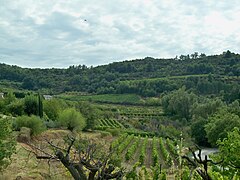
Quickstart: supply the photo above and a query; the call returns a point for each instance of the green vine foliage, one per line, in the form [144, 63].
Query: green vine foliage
[7, 143]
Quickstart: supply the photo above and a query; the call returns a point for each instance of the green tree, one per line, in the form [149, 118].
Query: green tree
[91, 114]
[234, 107]
[52, 108]
[10, 97]
[179, 103]
[16, 108]
[229, 152]
[220, 124]
[40, 106]
[72, 119]
[31, 105]
[206, 108]
[198, 132]
[7, 143]
[28, 83]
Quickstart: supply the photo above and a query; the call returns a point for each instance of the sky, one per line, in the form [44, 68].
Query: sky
[60, 33]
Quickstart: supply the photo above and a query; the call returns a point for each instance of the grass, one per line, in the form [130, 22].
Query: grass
[25, 164]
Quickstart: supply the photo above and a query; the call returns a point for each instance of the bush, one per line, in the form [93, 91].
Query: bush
[50, 124]
[33, 122]
[72, 119]
[114, 132]
[105, 134]
[16, 108]
[52, 108]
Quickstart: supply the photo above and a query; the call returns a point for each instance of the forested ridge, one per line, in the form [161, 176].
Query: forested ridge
[145, 77]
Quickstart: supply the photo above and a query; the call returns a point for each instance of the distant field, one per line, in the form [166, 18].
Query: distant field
[105, 98]
[168, 77]
[229, 78]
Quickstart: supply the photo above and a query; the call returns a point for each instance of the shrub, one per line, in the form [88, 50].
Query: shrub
[52, 108]
[105, 134]
[33, 122]
[50, 124]
[16, 108]
[114, 132]
[72, 119]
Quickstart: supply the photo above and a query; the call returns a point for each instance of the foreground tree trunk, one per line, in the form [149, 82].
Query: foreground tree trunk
[81, 165]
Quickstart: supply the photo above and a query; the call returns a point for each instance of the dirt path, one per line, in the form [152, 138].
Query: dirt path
[174, 157]
[162, 161]
[148, 159]
[136, 155]
[125, 150]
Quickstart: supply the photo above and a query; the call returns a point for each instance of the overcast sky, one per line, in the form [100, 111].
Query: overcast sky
[60, 33]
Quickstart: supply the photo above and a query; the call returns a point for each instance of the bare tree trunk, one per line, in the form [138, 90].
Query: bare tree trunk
[69, 166]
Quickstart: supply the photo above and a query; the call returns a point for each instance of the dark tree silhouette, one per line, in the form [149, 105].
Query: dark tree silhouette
[197, 163]
[82, 164]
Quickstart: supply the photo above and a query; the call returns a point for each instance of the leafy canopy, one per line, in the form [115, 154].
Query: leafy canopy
[220, 124]
[72, 119]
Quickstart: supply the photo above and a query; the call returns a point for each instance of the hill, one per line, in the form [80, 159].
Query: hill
[145, 77]
[148, 111]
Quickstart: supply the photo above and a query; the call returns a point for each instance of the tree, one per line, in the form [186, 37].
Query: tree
[229, 152]
[16, 108]
[52, 108]
[179, 103]
[206, 108]
[72, 119]
[227, 54]
[28, 83]
[40, 106]
[202, 55]
[91, 114]
[31, 105]
[198, 132]
[83, 159]
[10, 97]
[220, 124]
[199, 164]
[194, 55]
[7, 142]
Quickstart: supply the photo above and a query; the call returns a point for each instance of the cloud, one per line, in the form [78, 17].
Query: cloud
[62, 33]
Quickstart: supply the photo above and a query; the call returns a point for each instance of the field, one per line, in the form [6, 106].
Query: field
[148, 152]
[164, 78]
[105, 98]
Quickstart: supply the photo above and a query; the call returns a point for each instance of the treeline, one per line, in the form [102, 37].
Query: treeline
[210, 119]
[128, 76]
[36, 113]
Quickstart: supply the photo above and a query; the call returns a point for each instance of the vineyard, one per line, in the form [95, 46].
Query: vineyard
[108, 123]
[145, 151]
[105, 98]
